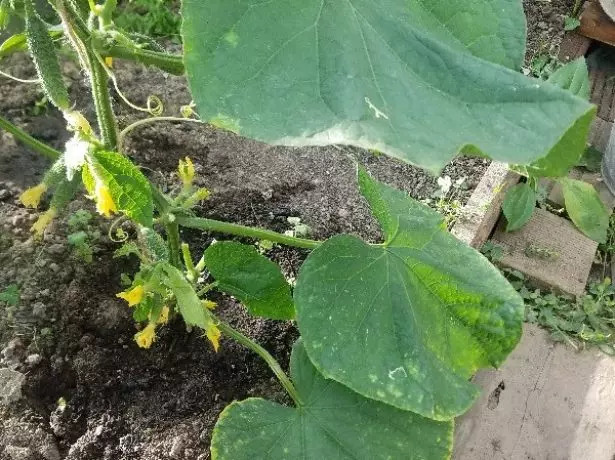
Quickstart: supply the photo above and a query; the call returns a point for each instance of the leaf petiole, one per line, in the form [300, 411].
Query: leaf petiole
[247, 342]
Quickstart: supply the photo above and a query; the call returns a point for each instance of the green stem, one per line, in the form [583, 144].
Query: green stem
[193, 275]
[172, 231]
[28, 140]
[102, 102]
[99, 80]
[171, 63]
[207, 288]
[249, 232]
[266, 356]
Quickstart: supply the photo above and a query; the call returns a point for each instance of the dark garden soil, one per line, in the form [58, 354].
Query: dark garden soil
[89, 392]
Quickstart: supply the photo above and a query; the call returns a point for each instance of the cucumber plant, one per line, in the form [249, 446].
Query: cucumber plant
[391, 332]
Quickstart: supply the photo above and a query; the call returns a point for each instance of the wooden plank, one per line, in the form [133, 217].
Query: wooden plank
[598, 80]
[606, 102]
[600, 134]
[596, 24]
[573, 46]
[546, 402]
[482, 210]
[550, 251]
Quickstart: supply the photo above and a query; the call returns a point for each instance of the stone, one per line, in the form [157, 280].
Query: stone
[19, 453]
[547, 401]
[480, 214]
[11, 384]
[549, 250]
[34, 359]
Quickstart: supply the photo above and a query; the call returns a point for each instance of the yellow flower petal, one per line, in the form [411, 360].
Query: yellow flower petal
[104, 202]
[213, 334]
[32, 196]
[133, 296]
[186, 171]
[164, 315]
[109, 61]
[210, 305]
[147, 336]
[43, 222]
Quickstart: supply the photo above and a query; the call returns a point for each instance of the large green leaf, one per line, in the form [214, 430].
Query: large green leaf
[379, 74]
[334, 424]
[255, 280]
[573, 77]
[493, 30]
[407, 323]
[518, 206]
[128, 186]
[585, 208]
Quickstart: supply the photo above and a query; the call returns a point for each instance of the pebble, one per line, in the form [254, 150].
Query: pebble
[11, 383]
[4, 194]
[34, 359]
[17, 220]
[54, 267]
[39, 309]
[56, 249]
[19, 453]
[178, 447]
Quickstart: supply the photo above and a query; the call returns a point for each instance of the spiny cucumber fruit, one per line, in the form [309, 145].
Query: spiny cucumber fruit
[45, 58]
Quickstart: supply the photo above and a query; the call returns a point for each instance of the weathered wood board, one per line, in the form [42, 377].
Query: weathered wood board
[550, 251]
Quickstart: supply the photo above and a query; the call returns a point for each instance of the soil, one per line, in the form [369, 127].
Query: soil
[89, 392]
[545, 23]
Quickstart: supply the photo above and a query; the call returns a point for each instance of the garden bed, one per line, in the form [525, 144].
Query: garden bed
[89, 391]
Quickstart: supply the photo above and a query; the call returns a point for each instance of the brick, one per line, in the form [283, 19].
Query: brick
[573, 46]
[481, 213]
[550, 251]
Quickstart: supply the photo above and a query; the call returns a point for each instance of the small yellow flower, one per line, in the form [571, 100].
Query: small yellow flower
[210, 305]
[32, 196]
[147, 336]
[104, 202]
[109, 61]
[186, 171]
[133, 296]
[43, 222]
[164, 315]
[213, 334]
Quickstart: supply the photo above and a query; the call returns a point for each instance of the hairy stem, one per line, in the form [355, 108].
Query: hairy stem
[249, 232]
[99, 80]
[28, 140]
[102, 101]
[266, 356]
[172, 231]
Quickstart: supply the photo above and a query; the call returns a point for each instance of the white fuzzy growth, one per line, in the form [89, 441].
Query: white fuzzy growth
[74, 155]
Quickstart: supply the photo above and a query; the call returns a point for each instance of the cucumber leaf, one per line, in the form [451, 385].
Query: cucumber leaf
[518, 206]
[585, 208]
[335, 423]
[407, 323]
[255, 280]
[408, 78]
